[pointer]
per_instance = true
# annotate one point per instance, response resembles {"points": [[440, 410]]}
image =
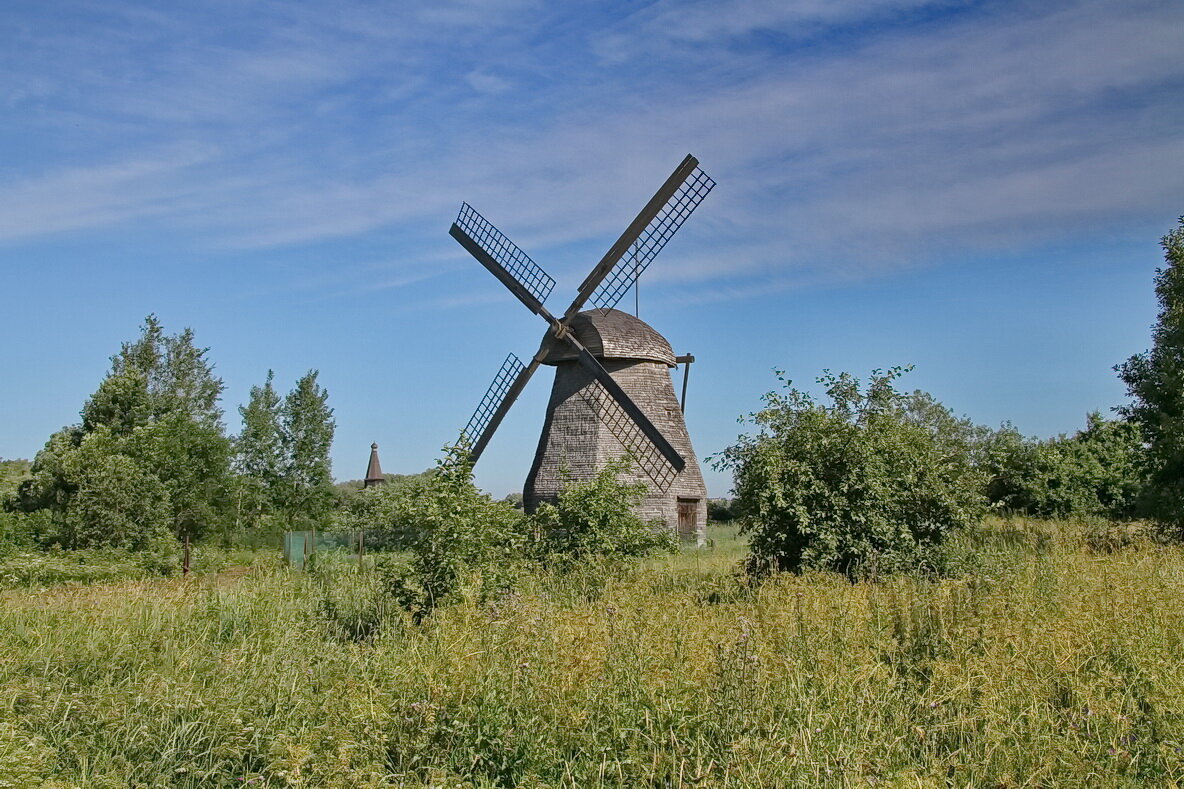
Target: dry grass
{"points": [[1049, 665]]}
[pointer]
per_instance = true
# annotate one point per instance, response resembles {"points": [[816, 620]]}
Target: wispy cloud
{"points": [[925, 126]]}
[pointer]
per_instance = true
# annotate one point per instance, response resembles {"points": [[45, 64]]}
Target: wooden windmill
{"points": [[612, 394]]}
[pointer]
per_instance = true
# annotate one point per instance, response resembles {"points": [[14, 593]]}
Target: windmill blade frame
{"points": [[629, 435], [645, 236], [505, 260], [504, 389]]}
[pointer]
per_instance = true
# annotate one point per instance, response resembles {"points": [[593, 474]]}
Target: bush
{"points": [[1097, 472], [454, 533], [381, 512], [720, 510], [872, 482], [596, 519]]}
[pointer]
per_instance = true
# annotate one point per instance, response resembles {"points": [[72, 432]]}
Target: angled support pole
{"points": [[686, 362]]}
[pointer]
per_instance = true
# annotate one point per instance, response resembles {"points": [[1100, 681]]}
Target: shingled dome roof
{"points": [[612, 334]]}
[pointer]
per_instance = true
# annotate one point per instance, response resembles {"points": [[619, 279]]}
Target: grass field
{"points": [[1047, 665]]}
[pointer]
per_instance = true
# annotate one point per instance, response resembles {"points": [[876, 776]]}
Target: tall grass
{"points": [[1046, 665]]}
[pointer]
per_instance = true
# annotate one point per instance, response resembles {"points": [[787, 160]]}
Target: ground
{"points": [[1046, 663]]}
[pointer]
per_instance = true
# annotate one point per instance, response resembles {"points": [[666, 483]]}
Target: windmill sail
{"points": [[629, 409], [657, 222], [649, 231], [651, 240], [625, 430], [493, 406], [525, 278]]}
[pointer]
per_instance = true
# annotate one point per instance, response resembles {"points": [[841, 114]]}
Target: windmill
{"points": [[612, 394]]}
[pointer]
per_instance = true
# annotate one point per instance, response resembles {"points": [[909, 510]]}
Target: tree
{"points": [[121, 403], [178, 376], [874, 480], [307, 436], [1098, 471], [259, 451], [191, 458], [1155, 382], [152, 433], [117, 500]]}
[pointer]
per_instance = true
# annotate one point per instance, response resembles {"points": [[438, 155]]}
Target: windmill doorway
{"points": [[688, 519]]}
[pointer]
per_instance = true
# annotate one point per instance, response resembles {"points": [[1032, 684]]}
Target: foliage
{"points": [[258, 453], [1155, 382], [871, 482], [306, 436], [15, 531], [1052, 666], [1099, 471], [149, 456], [378, 510], [596, 518], [12, 472], [453, 532], [720, 510], [116, 502], [39, 569], [283, 476]]}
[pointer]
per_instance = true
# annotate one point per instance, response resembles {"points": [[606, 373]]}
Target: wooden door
{"points": [[688, 518]]}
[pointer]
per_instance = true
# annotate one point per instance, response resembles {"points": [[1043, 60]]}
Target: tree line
{"points": [[150, 461], [868, 477], [872, 479]]}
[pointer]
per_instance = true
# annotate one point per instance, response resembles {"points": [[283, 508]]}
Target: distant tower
{"points": [[374, 470]]}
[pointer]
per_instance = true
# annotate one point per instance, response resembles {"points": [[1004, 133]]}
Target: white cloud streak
{"points": [[930, 129]]}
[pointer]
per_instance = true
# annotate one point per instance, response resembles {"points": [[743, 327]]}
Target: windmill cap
{"points": [[612, 334]]}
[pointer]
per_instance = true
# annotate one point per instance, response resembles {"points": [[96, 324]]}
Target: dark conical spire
{"points": [[374, 470]]}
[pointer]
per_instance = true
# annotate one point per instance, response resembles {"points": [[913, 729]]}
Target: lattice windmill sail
{"points": [[612, 394]]}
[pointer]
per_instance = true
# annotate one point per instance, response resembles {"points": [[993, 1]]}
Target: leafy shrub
{"points": [[453, 532], [596, 519], [1099, 471], [720, 510], [380, 512], [18, 531], [871, 482]]}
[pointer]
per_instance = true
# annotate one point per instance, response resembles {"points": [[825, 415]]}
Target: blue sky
{"points": [[977, 189]]}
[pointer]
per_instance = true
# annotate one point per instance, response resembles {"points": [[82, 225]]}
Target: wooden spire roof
{"points": [[374, 470]]}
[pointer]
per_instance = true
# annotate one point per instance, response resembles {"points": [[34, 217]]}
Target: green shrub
{"points": [[454, 533], [596, 518], [1097, 472], [720, 510], [380, 511], [871, 482]]}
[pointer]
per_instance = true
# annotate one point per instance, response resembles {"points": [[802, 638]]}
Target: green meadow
{"points": [[1053, 659]]}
